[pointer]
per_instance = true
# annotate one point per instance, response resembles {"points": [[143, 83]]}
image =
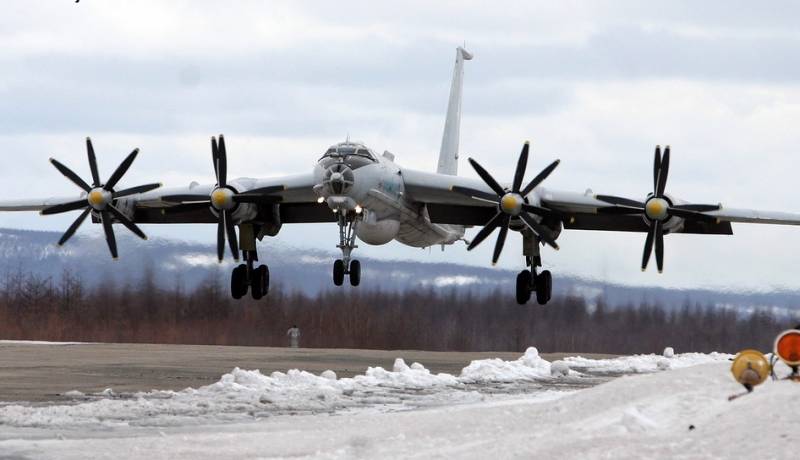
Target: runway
{"points": [[45, 372]]}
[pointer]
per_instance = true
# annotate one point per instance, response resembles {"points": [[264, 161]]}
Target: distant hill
{"points": [[309, 271]]}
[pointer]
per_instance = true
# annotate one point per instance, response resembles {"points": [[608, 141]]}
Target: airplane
{"points": [[375, 200]]}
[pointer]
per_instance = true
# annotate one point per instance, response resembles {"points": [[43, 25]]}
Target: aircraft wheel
{"points": [[544, 287], [260, 285], [239, 282], [355, 273], [523, 287], [338, 272]]}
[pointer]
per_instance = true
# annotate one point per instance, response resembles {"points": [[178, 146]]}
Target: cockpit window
{"points": [[354, 155]]}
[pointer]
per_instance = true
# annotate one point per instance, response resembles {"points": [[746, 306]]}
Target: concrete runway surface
{"points": [[43, 372]]}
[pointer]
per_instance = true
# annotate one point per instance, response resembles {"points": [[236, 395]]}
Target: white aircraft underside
{"points": [[376, 200]]}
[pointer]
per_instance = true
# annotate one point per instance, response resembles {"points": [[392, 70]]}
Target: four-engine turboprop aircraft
{"points": [[374, 199]]}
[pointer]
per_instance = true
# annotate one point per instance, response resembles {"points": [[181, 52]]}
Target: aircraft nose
{"points": [[339, 179]]}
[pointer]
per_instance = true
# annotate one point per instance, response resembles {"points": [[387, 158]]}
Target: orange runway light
{"points": [[787, 347]]}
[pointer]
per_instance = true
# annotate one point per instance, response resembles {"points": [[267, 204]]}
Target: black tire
{"points": [[266, 280], [239, 282], [355, 273], [544, 287], [524, 287], [338, 272], [260, 282]]}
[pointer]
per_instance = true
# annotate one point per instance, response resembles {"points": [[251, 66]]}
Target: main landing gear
{"points": [[248, 276], [529, 280], [348, 222]]}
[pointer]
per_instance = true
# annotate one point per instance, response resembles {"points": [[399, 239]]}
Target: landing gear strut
{"points": [[348, 222], [248, 276]]}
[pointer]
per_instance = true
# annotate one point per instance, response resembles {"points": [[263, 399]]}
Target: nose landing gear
{"points": [[348, 223]]}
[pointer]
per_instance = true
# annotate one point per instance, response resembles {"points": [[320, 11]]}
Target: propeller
{"points": [[224, 199], [100, 198], [511, 203], [657, 209]]}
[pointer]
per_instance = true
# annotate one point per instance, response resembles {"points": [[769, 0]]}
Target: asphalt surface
{"points": [[43, 373]]}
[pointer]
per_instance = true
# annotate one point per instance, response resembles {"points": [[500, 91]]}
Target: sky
{"points": [[596, 84]]}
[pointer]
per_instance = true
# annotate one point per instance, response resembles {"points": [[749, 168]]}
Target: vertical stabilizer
{"points": [[448, 155]]}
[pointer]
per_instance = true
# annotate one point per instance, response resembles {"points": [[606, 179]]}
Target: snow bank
{"points": [[246, 393], [664, 415], [530, 366], [638, 364]]}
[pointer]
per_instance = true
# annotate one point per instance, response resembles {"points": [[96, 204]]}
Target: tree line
{"points": [[33, 307]]}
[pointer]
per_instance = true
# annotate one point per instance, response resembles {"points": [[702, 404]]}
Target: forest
{"points": [[64, 309]]}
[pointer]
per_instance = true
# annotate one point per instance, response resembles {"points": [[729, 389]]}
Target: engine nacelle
{"points": [[378, 232]]}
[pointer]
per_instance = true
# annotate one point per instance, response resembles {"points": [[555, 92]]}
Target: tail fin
{"points": [[448, 155]]}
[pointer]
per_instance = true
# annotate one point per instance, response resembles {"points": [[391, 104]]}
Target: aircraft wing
{"points": [[578, 211], [297, 202]]}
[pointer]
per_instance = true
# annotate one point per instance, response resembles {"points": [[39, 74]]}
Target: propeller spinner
{"points": [[657, 209], [511, 203], [224, 199], [100, 198]]}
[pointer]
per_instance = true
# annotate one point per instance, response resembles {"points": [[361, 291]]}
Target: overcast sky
{"points": [[596, 84]]}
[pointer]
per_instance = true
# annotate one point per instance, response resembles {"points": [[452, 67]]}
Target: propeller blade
{"points": [[539, 211], [476, 194], [540, 178], [540, 231], [660, 245], [648, 246], [221, 238], [486, 230], [223, 163], [136, 190], [691, 215], [121, 170], [623, 210], [215, 157], [71, 175], [522, 165], [66, 207], [656, 168], [92, 162], [186, 198], [618, 200], [109, 231], [487, 178], [501, 239], [123, 219], [697, 207], [231, 231], [74, 227], [662, 176]]}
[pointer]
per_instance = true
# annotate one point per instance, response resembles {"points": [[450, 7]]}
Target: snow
{"points": [[530, 366], [632, 417], [34, 342], [644, 363]]}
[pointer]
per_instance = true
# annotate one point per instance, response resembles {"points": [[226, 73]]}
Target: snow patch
{"points": [[530, 366], [638, 364]]}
